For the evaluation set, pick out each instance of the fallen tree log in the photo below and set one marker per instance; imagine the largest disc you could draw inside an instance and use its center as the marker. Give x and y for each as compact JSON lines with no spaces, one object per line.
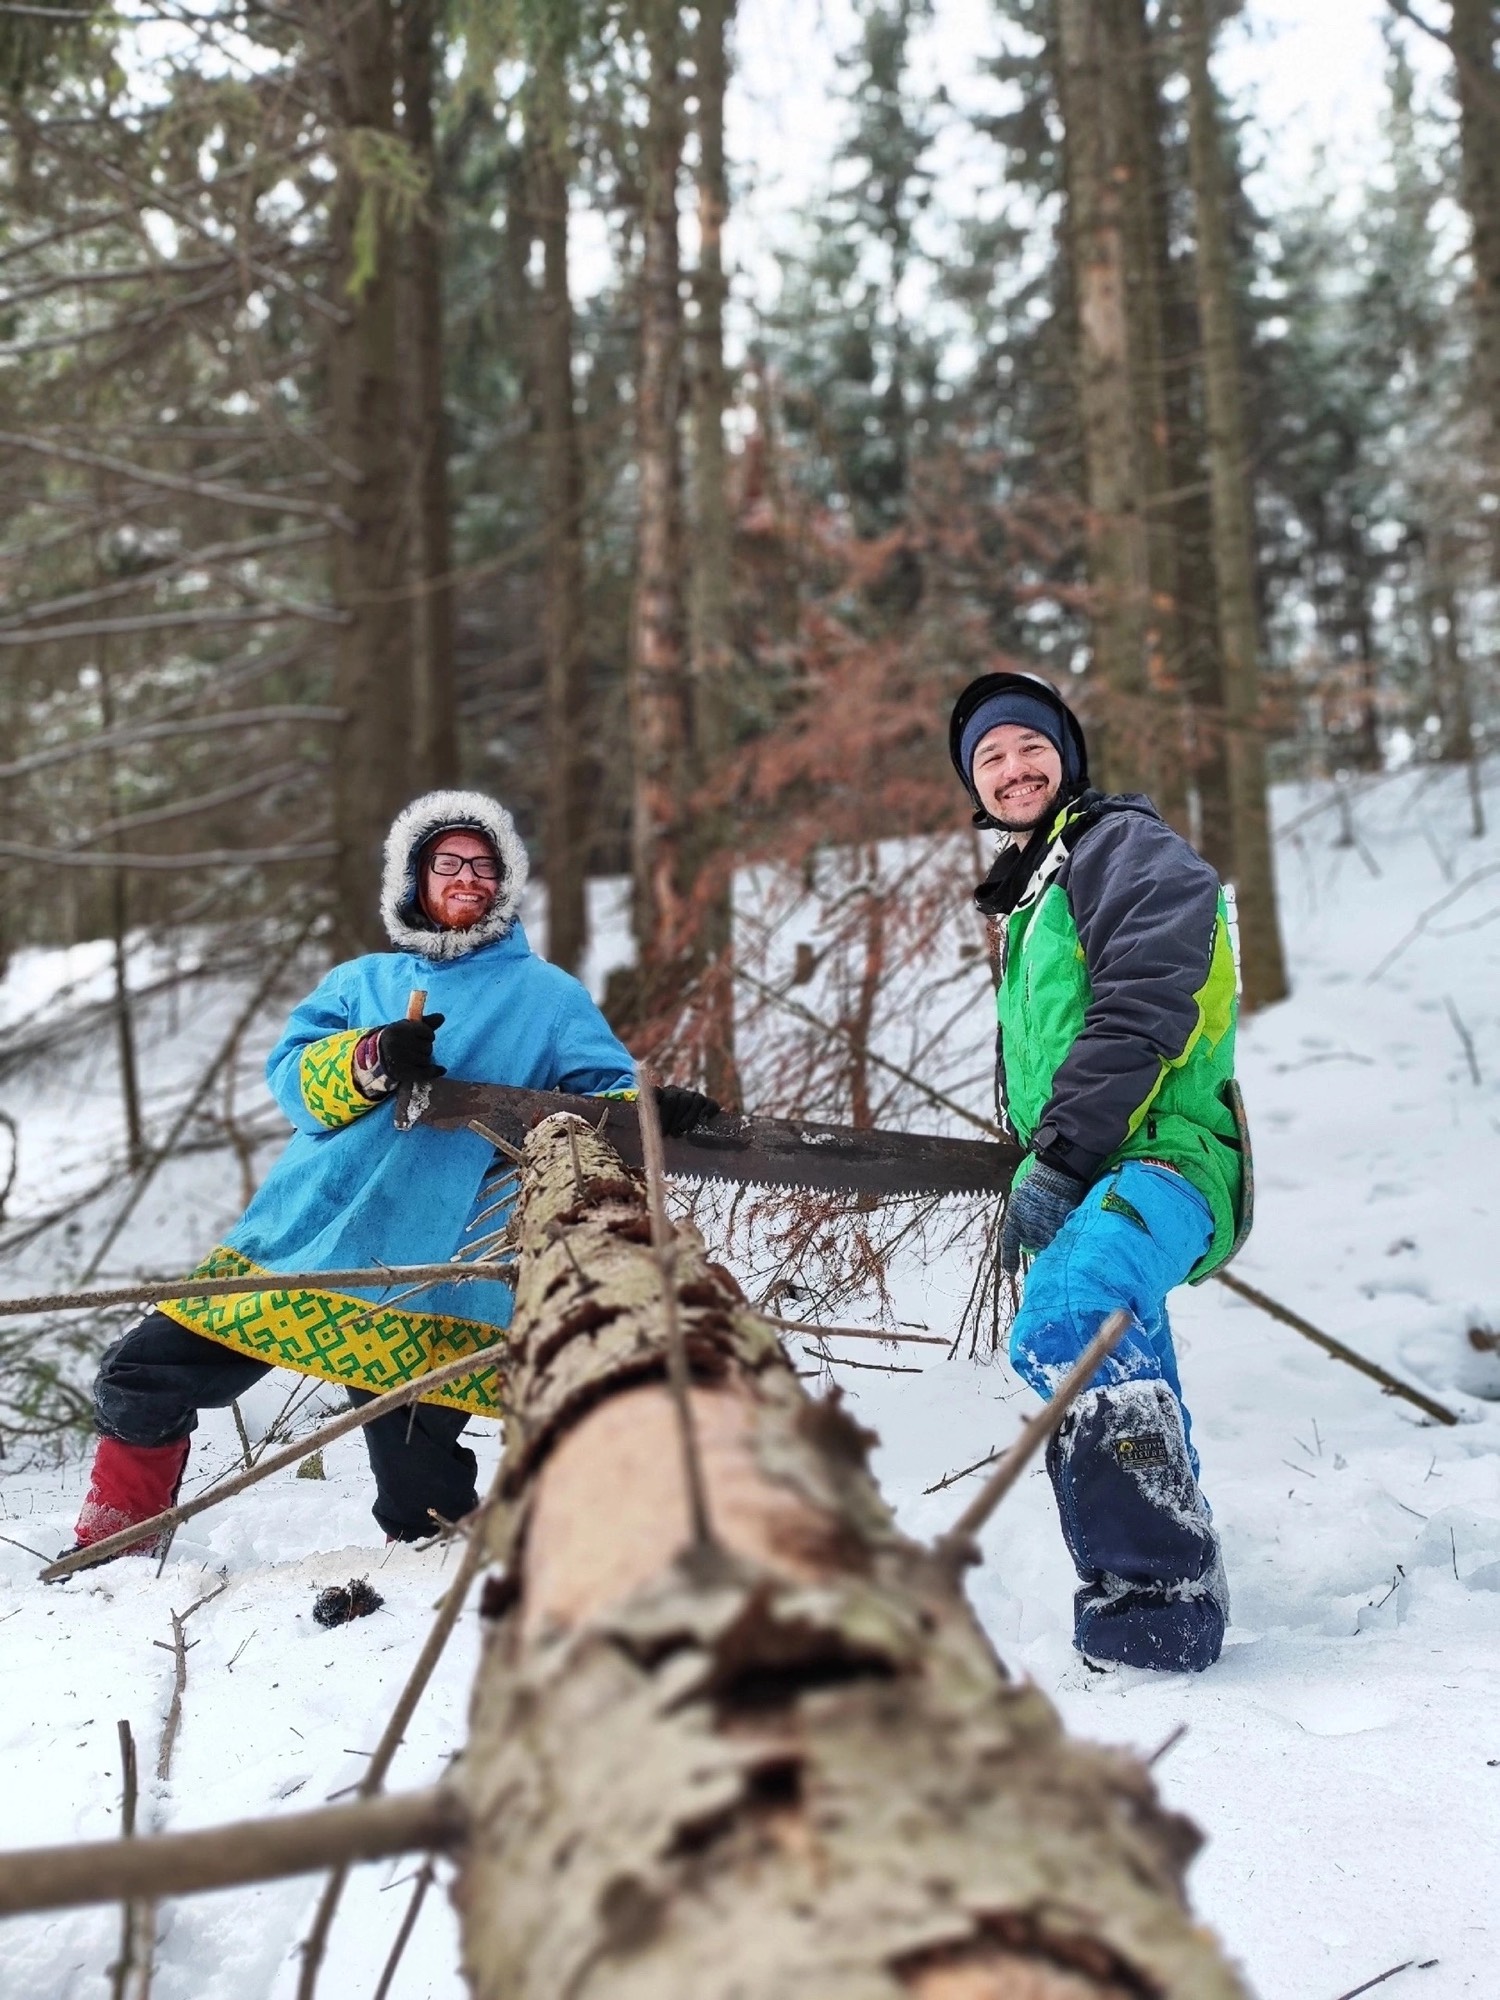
{"x":759,"y":1749}
{"x":777,"y":1758}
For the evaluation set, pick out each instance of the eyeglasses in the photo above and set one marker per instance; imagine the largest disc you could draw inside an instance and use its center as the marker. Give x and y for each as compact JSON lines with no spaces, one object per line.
{"x":486,"y":868}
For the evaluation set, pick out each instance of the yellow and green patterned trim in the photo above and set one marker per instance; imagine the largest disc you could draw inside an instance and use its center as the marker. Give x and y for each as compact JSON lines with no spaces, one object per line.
{"x":326,"y":1074}
{"x":341,"y":1339}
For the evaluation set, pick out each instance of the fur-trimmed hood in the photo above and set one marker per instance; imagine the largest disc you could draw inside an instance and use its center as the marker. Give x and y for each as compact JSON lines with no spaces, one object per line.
{"x":407,"y":925}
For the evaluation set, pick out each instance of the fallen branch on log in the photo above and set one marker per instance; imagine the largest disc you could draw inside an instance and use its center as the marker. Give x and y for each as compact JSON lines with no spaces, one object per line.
{"x":352,"y":1420}
{"x":145,"y":1291}
{"x":218,"y":1857}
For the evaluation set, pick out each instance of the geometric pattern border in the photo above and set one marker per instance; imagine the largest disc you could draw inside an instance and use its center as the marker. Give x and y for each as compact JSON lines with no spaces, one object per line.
{"x":338,"y":1338}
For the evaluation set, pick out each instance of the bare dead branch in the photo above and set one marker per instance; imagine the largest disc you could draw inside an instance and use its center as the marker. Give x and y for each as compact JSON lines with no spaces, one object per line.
{"x":1392,"y":1384}
{"x":426,"y":1876}
{"x":131,"y":733}
{"x":179,"y":1652}
{"x":215,"y":857}
{"x":958,"y":1545}
{"x":857,"y":1333}
{"x":474,"y":1556}
{"x":172,"y":1517}
{"x":207,"y":557}
{"x":221,"y":1857}
{"x":172,"y":482}
{"x":207,"y":619}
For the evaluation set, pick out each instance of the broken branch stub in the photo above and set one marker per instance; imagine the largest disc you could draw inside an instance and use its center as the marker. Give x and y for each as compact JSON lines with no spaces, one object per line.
{"x":788,"y":1767}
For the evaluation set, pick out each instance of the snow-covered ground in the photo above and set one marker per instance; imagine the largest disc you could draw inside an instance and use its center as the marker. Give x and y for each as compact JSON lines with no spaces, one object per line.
{"x":1343,"y":1759}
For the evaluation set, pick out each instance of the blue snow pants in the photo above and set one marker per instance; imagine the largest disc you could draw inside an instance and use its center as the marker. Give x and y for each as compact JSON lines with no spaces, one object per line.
{"x":1136,"y":1234}
{"x":1122,"y":1464}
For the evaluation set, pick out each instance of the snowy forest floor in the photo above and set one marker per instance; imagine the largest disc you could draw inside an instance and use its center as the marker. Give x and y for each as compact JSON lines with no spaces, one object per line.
{"x":1343,"y":1759}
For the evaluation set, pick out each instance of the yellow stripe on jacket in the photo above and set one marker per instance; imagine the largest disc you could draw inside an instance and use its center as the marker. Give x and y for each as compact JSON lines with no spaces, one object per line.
{"x":339,"y":1338}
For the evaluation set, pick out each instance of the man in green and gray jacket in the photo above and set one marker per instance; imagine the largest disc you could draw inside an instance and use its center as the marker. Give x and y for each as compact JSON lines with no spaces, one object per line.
{"x":1117,"y":1009}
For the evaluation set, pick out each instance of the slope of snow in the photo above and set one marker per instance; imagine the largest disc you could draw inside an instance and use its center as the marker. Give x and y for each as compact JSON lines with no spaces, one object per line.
{"x":1343,"y":1760}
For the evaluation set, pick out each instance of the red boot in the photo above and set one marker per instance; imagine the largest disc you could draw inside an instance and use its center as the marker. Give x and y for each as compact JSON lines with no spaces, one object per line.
{"x":129,"y":1483}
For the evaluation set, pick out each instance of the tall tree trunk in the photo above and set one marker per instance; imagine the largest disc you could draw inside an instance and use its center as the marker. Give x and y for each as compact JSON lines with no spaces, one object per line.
{"x":565,"y":816}
{"x":1452,"y":685}
{"x":758,"y":1747}
{"x":435,"y":736}
{"x":1478,"y":84}
{"x":1165,"y":762}
{"x":1094,"y":115}
{"x":660,"y":724}
{"x":119,"y":927}
{"x":366,"y":397}
{"x":712,"y":545}
{"x":1203,"y":657}
{"x":1263,"y":968}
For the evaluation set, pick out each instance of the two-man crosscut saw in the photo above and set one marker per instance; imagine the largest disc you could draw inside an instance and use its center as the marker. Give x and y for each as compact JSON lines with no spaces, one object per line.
{"x":777,"y":1152}
{"x":768,"y":1152}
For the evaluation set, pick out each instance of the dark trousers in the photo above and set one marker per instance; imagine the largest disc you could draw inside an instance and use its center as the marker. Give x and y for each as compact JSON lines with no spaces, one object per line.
{"x":152,"y":1384}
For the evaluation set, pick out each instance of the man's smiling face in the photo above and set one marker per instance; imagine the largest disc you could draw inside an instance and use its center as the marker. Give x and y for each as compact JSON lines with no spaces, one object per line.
{"x":460,"y":880}
{"x":1018,"y":775}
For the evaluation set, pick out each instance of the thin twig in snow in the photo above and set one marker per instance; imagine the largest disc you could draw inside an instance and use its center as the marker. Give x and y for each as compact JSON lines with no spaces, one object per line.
{"x":1465,"y":1037}
{"x":179,"y":1649}
{"x":130,"y":1913}
{"x":958,"y":1544}
{"x":472,"y":1560}
{"x":426,"y":1875}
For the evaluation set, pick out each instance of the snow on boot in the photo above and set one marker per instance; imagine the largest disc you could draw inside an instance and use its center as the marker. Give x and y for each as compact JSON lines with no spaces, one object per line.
{"x":129,"y":1483}
{"x":1138,"y":1529}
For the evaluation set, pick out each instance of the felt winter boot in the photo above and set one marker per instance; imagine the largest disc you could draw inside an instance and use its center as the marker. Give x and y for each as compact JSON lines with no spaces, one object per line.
{"x":1138,"y":1529}
{"x":129,"y":1483}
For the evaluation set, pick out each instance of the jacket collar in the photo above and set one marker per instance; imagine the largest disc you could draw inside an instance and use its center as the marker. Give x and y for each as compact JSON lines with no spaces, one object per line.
{"x":1020,"y":874}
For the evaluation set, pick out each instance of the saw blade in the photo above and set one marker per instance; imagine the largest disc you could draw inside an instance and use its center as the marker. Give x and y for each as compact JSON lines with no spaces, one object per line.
{"x":768,"y":1152}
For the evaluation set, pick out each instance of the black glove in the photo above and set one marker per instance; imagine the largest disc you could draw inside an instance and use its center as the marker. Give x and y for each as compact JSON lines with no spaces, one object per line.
{"x":405,"y":1051}
{"x":1035,"y":1211}
{"x":680,"y":1109}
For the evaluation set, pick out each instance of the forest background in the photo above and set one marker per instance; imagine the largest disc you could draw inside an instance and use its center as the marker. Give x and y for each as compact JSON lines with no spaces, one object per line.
{"x":380,"y":408}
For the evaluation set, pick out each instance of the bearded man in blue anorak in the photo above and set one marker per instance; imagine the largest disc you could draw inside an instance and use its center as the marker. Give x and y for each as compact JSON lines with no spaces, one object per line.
{"x":352,"y":1191}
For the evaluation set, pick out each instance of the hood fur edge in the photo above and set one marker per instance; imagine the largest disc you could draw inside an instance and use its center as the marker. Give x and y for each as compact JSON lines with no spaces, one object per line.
{"x":410,"y":830}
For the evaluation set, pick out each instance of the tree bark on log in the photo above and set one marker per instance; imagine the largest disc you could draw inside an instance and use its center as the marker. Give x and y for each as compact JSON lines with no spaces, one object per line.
{"x":785,"y":1762}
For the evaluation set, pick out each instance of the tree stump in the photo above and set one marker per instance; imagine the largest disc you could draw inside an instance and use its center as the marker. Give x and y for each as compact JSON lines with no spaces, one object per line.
{"x":785,"y":1765}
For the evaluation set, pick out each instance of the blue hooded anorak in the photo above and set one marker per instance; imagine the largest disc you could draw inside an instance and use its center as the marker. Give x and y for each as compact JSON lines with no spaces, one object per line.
{"x":351,"y":1191}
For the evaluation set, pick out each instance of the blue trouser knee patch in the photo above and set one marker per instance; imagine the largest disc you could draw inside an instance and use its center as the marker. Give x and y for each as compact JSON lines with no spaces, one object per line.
{"x":1136,"y":1234}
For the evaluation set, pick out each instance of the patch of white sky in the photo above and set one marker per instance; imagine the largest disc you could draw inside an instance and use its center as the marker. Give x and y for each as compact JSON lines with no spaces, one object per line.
{"x":1308,"y":76}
